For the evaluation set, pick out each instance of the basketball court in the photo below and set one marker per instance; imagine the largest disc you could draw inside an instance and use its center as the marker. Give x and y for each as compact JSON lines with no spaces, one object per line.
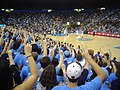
{"x":97,"y":43}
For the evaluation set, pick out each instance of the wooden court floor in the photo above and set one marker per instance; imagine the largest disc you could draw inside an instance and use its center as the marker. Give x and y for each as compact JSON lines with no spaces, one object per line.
{"x":97,"y":43}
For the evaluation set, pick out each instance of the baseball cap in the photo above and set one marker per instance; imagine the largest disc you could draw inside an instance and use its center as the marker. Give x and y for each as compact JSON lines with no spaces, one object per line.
{"x":74,"y":70}
{"x":66,"y":53}
{"x":62,"y":48}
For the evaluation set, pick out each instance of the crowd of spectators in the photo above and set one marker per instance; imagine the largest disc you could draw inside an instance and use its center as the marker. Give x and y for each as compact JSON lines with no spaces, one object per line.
{"x":91,"y":20}
{"x":31,"y":61}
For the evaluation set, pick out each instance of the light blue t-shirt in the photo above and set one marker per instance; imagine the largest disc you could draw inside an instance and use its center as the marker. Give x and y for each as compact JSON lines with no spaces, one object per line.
{"x":18,"y":59}
{"x":95,"y":84}
{"x":57,"y":56}
{"x":24,"y":61}
{"x":105,"y":85}
{"x":69,"y":59}
{"x":60,"y":78}
{"x":29,"y":39}
{"x":39,"y":57}
{"x":24,"y":72}
{"x":19,"y":49}
{"x":89,"y":73}
{"x":112,"y":77}
{"x":38,"y":44}
{"x":26,"y":69}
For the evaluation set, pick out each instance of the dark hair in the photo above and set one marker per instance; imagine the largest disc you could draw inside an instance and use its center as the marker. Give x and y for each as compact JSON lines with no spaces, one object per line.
{"x":114,"y":58}
{"x":75,"y":52}
{"x":91,"y":52}
{"x":107,"y":55}
{"x":115,"y":85}
{"x":48,"y":77}
{"x":36,"y":40}
{"x":16,"y":44}
{"x":55,"y":61}
{"x":118,"y":72}
{"x":78,"y":46}
{"x":98,"y":52}
{"x":35,"y":55}
{"x":45,"y":61}
{"x":100,"y":63}
{"x":39,"y":50}
{"x":73,"y":80}
{"x":47,"y":51}
{"x":104,"y":64}
{"x":34,"y":48}
{"x":79,"y":57}
{"x":70,"y":45}
{"x":60,"y":72}
{"x":14,"y":39}
{"x":62,"y":45}
{"x":6,"y":81}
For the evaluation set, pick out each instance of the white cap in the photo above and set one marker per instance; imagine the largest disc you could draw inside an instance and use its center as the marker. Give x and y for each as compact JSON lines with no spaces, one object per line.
{"x":74,"y":70}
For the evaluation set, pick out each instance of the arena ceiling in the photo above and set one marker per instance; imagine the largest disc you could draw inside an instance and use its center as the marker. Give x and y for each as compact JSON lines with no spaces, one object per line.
{"x":57,"y":4}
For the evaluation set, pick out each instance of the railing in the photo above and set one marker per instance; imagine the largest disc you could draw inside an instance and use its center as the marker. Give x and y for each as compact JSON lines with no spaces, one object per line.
{"x":105,"y":34}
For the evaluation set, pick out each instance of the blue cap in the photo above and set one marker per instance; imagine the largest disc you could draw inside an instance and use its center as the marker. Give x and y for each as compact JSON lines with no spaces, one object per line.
{"x":66,"y":53}
{"x":62,"y":48}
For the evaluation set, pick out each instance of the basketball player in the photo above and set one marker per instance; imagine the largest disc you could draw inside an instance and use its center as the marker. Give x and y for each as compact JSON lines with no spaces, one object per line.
{"x":65,"y":32}
{"x":82,"y":32}
{"x":93,"y":33}
{"x":53,"y":30}
{"x":77,"y":32}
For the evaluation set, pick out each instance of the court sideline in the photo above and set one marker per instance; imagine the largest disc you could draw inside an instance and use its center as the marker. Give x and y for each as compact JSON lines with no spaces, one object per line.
{"x":97,"y":43}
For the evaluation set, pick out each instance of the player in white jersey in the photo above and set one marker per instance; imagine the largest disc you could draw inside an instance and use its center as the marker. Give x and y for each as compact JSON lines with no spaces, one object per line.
{"x":82,"y":32}
{"x":65,"y":32}
{"x":77,"y":32}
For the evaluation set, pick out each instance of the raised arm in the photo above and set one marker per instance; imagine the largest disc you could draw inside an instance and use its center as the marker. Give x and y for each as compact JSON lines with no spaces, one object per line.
{"x":53,"y":50}
{"x":114,"y":67}
{"x":100,"y":73}
{"x":10,"y":57}
{"x":2,"y":34}
{"x":11,"y":41}
{"x":45,"y":48}
{"x":33,"y":38}
{"x":5,"y":48}
{"x":14,"y":32}
{"x":28,"y":84}
{"x":69,"y":49}
{"x":61,"y":59}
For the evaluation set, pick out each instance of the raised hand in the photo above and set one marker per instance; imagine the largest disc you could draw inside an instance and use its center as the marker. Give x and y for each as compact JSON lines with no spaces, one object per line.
{"x":61,"y":52}
{"x":27,"y":49}
{"x":14,"y":32}
{"x":61,"y":59}
{"x":10,"y":53}
{"x":3,"y":28}
{"x":84,"y":51}
{"x":100,"y":73}
{"x":11,"y":40}
{"x":6,"y":44}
